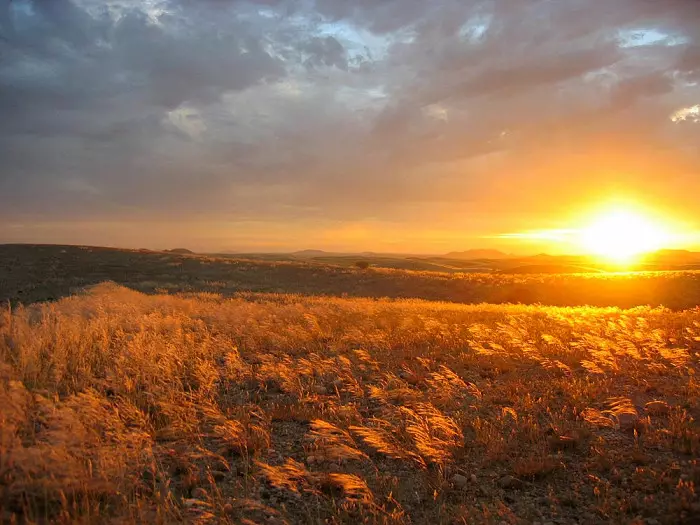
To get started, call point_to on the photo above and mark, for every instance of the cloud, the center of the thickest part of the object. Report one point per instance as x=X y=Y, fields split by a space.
x=326 y=52
x=341 y=110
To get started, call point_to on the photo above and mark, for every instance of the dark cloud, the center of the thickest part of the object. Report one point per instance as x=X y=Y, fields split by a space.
x=689 y=62
x=326 y=51
x=343 y=109
x=631 y=91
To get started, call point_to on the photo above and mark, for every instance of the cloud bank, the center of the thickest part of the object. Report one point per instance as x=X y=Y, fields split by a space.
x=387 y=124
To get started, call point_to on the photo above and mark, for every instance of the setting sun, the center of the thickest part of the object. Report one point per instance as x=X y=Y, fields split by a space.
x=623 y=235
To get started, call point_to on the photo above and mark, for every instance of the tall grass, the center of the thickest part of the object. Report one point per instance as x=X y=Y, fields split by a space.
x=119 y=406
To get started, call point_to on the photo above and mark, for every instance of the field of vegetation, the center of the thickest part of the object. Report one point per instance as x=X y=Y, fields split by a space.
x=45 y=273
x=123 y=407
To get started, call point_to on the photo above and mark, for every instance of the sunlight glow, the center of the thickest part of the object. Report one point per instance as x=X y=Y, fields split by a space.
x=691 y=113
x=621 y=236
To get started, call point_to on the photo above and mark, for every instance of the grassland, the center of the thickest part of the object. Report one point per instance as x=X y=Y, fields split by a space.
x=45 y=273
x=183 y=406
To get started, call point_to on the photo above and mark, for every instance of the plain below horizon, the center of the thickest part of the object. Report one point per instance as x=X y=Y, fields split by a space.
x=310 y=253
x=677 y=256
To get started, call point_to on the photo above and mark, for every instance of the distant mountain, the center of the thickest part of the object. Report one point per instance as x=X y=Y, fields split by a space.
x=478 y=254
x=321 y=253
x=673 y=257
x=549 y=269
x=555 y=259
x=181 y=251
x=310 y=253
x=676 y=253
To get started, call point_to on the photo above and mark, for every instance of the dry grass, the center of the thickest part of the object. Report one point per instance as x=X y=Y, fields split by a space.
x=44 y=273
x=120 y=407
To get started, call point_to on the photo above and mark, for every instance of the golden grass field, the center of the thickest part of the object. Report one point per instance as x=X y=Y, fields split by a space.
x=122 y=407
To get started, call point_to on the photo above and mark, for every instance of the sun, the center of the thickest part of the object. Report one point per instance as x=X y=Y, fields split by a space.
x=621 y=236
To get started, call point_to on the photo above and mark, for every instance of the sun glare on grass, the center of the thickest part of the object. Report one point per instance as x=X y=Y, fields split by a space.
x=622 y=236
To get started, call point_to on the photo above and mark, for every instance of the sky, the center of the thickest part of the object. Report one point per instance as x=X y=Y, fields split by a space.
x=344 y=125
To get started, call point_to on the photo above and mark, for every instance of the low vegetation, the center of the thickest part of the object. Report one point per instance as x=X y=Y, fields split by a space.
x=122 y=407
x=46 y=273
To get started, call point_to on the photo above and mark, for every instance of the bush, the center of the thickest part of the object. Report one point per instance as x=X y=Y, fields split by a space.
x=362 y=265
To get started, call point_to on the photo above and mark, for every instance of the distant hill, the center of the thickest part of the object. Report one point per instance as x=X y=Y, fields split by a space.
x=477 y=254
x=544 y=258
x=673 y=257
x=541 y=257
x=549 y=269
x=181 y=251
x=311 y=253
